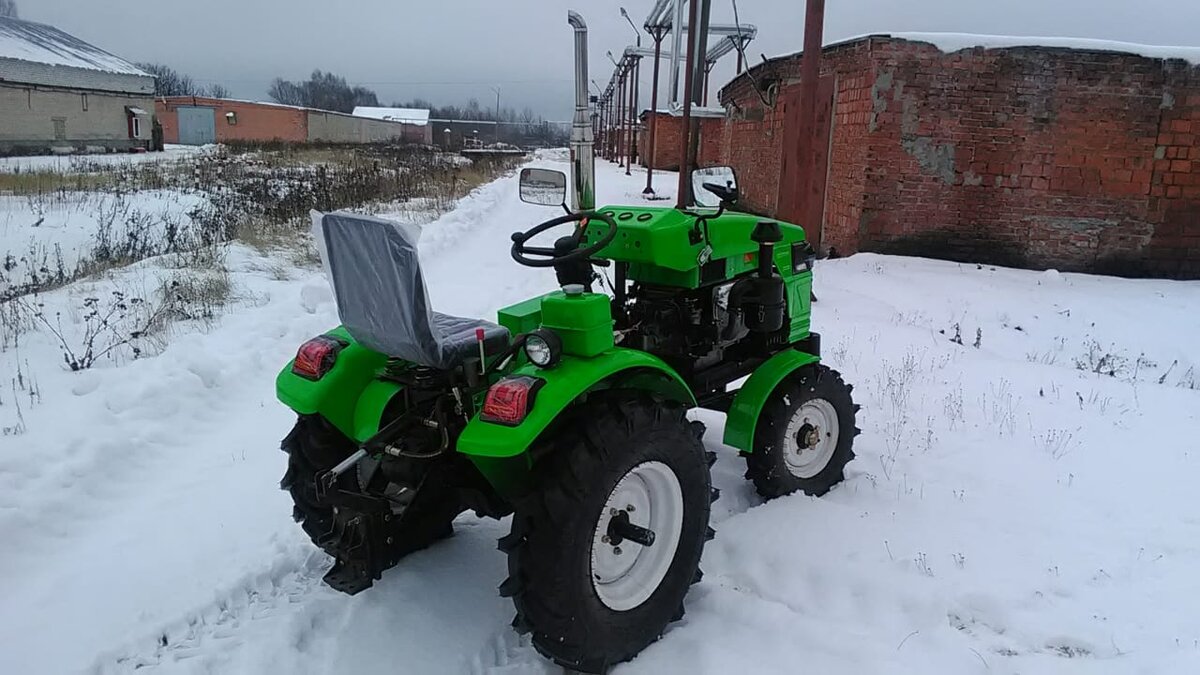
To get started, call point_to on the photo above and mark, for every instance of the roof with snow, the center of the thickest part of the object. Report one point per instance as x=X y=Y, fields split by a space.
x=40 y=43
x=953 y=42
x=415 y=116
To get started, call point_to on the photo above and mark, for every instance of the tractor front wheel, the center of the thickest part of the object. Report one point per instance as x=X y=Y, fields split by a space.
x=805 y=435
x=601 y=556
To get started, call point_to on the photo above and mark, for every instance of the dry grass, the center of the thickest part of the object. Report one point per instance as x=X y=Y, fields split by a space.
x=30 y=183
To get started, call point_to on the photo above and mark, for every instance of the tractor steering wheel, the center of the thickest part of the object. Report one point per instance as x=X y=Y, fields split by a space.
x=566 y=248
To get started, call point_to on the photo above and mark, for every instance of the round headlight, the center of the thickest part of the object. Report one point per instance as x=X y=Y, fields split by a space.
x=543 y=348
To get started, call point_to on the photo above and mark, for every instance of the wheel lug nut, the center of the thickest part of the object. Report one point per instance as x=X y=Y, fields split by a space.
x=605 y=539
x=629 y=508
x=617 y=550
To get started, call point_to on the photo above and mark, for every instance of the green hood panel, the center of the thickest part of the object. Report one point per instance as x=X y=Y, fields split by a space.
x=661 y=236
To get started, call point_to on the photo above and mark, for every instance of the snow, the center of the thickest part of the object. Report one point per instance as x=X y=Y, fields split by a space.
x=81 y=163
x=953 y=42
x=415 y=116
x=41 y=43
x=1007 y=512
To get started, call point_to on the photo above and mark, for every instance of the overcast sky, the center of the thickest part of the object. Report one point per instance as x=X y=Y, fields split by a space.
x=451 y=50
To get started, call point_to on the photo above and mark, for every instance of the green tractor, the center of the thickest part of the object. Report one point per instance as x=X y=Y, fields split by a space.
x=569 y=413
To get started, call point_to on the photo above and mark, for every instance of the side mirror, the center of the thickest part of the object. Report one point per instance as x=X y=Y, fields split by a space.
x=713 y=185
x=543 y=187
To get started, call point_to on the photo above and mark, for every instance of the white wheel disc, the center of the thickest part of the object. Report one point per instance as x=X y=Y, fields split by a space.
x=624 y=573
x=811 y=438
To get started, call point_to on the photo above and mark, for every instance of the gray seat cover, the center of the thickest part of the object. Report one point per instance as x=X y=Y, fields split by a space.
x=373 y=267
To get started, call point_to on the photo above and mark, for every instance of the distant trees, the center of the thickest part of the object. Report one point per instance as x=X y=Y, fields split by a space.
x=8 y=8
x=170 y=82
x=324 y=91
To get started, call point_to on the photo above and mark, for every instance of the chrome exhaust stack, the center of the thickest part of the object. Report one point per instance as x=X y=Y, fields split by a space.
x=583 y=152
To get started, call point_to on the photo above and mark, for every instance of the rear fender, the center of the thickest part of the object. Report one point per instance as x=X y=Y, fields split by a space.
x=349 y=396
x=750 y=399
x=501 y=452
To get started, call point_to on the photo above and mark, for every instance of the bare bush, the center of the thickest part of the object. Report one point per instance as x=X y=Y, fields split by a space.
x=1000 y=407
x=1057 y=443
x=1102 y=361
x=14 y=322
x=108 y=324
x=193 y=295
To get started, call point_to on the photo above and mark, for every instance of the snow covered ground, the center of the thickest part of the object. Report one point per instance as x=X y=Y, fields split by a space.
x=84 y=163
x=1010 y=510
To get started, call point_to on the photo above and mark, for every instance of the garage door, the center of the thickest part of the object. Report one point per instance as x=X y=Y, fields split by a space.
x=197 y=126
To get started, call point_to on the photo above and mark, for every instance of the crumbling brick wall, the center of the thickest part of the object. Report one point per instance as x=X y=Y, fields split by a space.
x=1030 y=156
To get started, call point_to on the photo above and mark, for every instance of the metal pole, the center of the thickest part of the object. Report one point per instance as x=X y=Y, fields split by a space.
x=682 y=195
x=651 y=148
x=583 y=158
x=637 y=82
x=676 y=47
x=633 y=87
x=810 y=76
x=624 y=122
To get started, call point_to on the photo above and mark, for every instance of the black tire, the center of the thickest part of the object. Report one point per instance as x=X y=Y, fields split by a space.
x=314 y=445
x=768 y=466
x=550 y=546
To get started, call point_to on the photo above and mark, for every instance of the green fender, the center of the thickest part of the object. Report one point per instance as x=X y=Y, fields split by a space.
x=564 y=383
x=349 y=395
x=750 y=399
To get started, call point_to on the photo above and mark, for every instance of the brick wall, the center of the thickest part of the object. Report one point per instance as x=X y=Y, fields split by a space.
x=1031 y=156
x=666 y=140
x=255 y=121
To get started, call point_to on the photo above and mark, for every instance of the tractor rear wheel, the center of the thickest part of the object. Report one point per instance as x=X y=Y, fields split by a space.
x=805 y=435
x=314 y=446
x=601 y=556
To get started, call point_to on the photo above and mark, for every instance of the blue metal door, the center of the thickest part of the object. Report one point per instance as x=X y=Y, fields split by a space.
x=197 y=126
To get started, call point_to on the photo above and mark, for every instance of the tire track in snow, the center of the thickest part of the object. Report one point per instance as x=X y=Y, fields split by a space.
x=207 y=639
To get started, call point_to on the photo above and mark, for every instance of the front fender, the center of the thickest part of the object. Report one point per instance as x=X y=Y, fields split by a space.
x=566 y=382
x=750 y=399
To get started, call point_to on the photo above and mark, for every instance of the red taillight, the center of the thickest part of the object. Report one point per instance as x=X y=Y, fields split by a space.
x=317 y=356
x=509 y=400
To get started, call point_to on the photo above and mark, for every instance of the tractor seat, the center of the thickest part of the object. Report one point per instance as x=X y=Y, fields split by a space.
x=459 y=336
x=375 y=272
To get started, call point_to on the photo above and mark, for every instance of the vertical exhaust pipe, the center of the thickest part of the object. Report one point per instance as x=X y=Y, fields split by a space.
x=583 y=157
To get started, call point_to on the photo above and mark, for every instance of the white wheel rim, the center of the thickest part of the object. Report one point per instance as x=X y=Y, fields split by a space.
x=810 y=438
x=626 y=574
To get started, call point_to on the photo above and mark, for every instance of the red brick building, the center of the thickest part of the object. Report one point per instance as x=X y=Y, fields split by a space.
x=196 y=120
x=1039 y=156
x=666 y=139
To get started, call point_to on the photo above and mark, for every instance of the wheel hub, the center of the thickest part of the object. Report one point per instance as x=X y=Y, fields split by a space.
x=636 y=536
x=811 y=438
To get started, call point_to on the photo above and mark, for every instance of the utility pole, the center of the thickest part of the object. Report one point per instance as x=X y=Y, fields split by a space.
x=796 y=199
x=694 y=51
x=497 y=90
x=658 y=33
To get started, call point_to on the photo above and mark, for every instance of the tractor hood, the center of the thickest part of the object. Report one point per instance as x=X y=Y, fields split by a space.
x=663 y=243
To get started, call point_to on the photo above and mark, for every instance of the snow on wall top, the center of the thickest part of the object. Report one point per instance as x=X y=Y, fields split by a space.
x=415 y=116
x=40 y=43
x=953 y=42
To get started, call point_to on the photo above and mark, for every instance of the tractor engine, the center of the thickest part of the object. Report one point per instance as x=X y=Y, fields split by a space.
x=695 y=329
